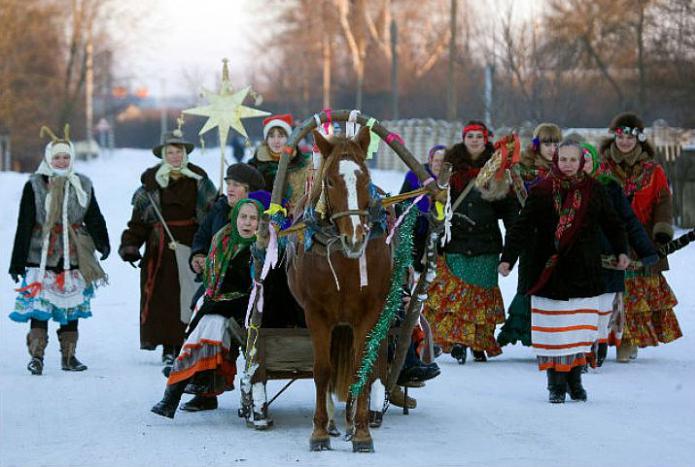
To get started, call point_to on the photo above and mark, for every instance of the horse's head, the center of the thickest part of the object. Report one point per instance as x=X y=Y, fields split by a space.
x=346 y=188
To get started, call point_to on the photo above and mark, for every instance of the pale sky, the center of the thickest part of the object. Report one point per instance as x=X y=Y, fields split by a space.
x=175 y=37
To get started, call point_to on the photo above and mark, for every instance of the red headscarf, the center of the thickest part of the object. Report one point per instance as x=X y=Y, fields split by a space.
x=487 y=134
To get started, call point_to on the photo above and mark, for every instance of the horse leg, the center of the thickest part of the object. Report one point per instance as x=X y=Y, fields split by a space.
x=361 y=439
x=320 y=337
x=330 y=407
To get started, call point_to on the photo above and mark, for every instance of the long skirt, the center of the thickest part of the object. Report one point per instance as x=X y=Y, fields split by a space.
x=649 y=315
x=563 y=331
x=207 y=352
x=465 y=304
x=58 y=298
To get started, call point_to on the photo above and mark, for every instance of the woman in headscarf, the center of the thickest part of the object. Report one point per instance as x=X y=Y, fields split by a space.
x=568 y=210
x=211 y=348
x=181 y=193
x=58 y=229
x=649 y=301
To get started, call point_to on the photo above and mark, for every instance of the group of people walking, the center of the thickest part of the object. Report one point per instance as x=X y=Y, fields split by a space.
x=574 y=209
x=577 y=219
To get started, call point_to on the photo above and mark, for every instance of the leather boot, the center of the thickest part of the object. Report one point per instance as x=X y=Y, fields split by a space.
x=574 y=382
x=479 y=356
x=601 y=354
x=557 y=386
x=200 y=403
x=459 y=351
x=37 y=340
x=172 y=396
x=68 y=344
x=397 y=398
x=622 y=353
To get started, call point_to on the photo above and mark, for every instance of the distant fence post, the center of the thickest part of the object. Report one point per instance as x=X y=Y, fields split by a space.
x=5 y=154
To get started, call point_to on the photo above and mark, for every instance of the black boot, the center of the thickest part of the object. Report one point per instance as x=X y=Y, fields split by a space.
x=574 y=382
x=172 y=396
x=557 y=386
x=459 y=351
x=601 y=354
x=479 y=356
x=200 y=403
x=35 y=366
x=37 y=340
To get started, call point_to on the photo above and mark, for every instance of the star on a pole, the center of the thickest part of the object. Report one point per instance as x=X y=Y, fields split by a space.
x=225 y=109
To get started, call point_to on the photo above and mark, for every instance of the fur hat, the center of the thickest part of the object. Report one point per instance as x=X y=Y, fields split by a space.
x=628 y=123
x=281 y=121
x=244 y=173
x=172 y=138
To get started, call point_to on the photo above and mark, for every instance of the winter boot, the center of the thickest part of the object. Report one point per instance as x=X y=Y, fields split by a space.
x=258 y=418
x=172 y=396
x=557 y=386
x=574 y=382
x=601 y=354
x=633 y=352
x=37 y=340
x=479 y=356
x=459 y=351
x=68 y=343
x=200 y=403
x=622 y=353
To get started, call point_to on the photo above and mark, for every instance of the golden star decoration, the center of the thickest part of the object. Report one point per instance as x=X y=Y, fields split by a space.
x=225 y=111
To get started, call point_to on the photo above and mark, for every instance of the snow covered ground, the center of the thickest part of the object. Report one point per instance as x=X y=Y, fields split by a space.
x=638 y=414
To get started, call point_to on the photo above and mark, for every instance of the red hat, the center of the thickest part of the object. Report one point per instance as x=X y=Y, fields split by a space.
x=281 y=121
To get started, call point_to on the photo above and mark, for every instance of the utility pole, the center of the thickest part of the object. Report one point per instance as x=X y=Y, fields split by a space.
x=89 y=90
x=451 y=78
x=162 y=108
x=489 y=70
x=394 y=70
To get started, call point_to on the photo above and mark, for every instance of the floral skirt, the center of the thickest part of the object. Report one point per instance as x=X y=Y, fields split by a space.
x=62 y=297
x=465 y=304
x=649 y=315
x=206 y=357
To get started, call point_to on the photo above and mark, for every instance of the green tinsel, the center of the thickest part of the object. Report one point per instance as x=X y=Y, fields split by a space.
x=403 y=258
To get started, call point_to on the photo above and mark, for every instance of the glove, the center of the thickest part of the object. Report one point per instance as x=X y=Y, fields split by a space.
x=129 y=253
x=105 y=252
x=662 y=238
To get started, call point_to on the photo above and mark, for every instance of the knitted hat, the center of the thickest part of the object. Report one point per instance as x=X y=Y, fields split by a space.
x=172 y=138
x=244 y=173
x=280 y=121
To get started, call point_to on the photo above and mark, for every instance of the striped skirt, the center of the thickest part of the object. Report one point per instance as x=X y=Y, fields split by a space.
x=563 y=331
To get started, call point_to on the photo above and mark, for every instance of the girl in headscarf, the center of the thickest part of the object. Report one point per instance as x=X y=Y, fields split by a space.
x=568 y=210
x=58 y=229
x=211 y=348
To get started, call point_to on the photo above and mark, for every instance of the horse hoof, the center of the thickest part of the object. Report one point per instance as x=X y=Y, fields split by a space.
x=320 y=444
x=366 y=445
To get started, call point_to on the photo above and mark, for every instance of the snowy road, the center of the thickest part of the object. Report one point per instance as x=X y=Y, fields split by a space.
x=491 y=414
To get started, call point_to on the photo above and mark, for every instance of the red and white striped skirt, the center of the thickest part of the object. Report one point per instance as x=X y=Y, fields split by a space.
x=563 y=331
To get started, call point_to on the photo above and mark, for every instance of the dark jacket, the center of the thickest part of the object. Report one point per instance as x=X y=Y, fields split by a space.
x=638 y=239
x=26 y=222
x=578 y=272
x=475 y=228
x=217 y=218
x=236 y=279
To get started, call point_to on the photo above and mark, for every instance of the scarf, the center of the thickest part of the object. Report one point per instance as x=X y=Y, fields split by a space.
x=227 y=243
x=632 y=171
x=165 y=171
x=466 y=168
x=571 y=196
x=630 y=158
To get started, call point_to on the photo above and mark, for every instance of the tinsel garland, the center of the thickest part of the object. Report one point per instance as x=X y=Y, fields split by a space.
x=402 y=259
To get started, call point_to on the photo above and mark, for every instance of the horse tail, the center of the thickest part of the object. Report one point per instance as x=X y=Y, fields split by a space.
x=342 y=361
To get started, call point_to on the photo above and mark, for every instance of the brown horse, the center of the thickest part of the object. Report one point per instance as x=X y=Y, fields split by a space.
x=340 y=309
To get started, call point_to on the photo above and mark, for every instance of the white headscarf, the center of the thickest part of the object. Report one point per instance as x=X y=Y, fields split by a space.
x=45 y=168
x=165 y=169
